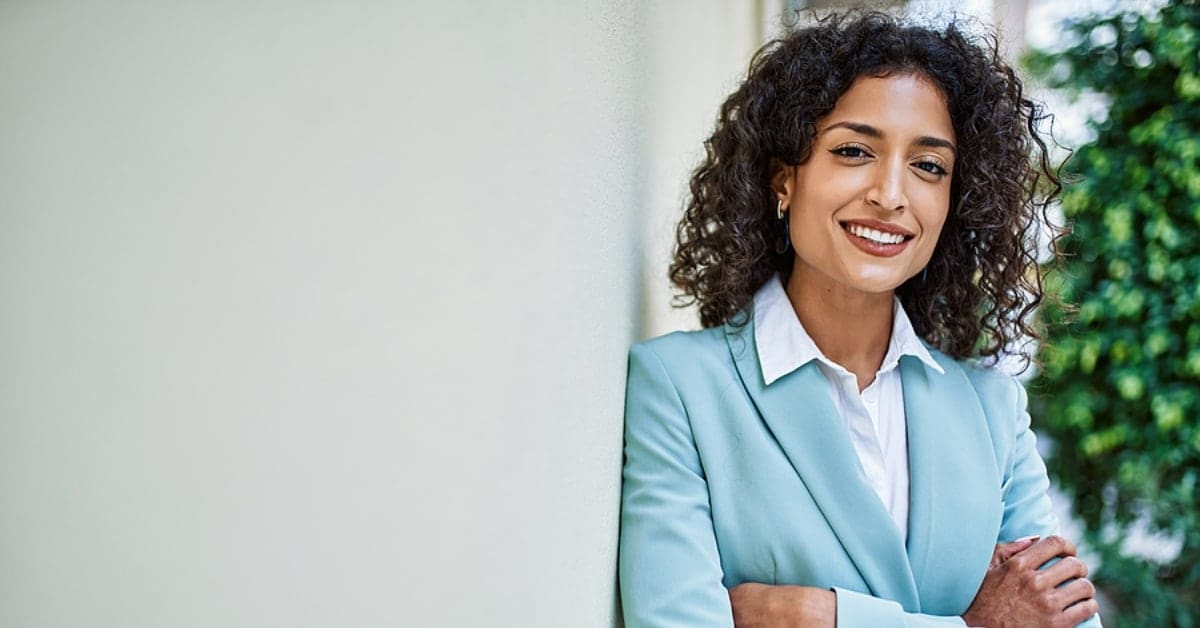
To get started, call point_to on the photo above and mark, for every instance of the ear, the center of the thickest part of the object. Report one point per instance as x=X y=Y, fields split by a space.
x=782 y=179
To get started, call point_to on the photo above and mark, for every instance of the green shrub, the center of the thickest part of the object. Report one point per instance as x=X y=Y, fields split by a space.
x=1119 y=390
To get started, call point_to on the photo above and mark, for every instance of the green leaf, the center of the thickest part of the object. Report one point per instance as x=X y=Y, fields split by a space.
x=1119 y=391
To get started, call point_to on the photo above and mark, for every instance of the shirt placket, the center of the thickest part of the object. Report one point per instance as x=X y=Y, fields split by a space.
x=862 y=424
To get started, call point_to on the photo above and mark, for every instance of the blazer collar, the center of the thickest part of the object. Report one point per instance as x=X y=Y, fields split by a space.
x=955 y=505
x=954 y=510
x=800 y=415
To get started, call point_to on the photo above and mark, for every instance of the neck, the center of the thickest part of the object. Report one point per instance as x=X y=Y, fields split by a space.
x=850 y=327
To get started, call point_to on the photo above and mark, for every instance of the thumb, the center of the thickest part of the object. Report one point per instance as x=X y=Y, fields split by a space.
x=1005 y=551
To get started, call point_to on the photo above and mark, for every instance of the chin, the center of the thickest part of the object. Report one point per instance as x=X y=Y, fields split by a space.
x=878 y=285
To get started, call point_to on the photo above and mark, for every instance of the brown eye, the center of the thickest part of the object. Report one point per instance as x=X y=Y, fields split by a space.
x=932 y=167
x=851 y=151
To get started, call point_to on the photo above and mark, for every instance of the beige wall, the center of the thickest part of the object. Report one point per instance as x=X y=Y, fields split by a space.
x=698 y=56
x=315 y=313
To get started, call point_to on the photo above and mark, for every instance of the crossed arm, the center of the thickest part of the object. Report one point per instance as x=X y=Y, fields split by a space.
x=1015 y=592
x=671 y=573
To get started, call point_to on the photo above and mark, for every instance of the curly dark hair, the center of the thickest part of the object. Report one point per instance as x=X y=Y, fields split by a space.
x=983 y=282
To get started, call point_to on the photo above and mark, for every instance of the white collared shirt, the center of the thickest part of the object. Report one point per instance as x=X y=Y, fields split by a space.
x=875 y=417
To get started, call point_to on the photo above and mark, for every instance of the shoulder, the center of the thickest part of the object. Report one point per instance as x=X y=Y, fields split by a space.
x=669 y=378
x=686 y=341
x=688 y=359
x=1001 y=396
x=993 y=386
x=996 y=389
x=680 y=348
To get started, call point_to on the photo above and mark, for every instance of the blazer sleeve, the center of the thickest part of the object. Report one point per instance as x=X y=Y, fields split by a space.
x=670 y=571
x=1027 y=508
x=859 y=610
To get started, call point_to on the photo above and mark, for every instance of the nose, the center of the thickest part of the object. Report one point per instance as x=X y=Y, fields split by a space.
x=887 y=188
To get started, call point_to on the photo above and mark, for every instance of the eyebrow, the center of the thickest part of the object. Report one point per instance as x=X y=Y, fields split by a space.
x=870 y=131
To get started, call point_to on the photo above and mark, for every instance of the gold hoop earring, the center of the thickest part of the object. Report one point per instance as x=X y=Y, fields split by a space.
x=785 y=238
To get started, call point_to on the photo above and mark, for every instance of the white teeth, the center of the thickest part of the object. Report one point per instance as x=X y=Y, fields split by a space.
x=874 y=235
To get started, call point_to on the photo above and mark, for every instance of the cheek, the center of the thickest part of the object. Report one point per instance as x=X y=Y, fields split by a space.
x=933 y=220
x=932 y=225
x=934 y=228
x=809 y=227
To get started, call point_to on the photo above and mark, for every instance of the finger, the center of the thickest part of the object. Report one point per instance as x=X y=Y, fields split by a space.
x=1038 y=553
x=1081 y=611
x=1064 y=570
x=1073 y=592
x=1005 y=551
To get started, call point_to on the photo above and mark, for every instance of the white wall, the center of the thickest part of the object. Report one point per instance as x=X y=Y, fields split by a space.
x=315 y=313
x=699 y=55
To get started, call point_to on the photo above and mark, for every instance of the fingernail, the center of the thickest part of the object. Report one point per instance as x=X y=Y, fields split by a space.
x=1031 y=539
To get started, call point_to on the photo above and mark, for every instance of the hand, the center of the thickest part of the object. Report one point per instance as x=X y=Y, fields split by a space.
x=1016 y=593
x=779 y=606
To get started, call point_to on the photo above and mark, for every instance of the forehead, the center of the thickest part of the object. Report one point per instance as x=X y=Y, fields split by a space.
x=898 y=104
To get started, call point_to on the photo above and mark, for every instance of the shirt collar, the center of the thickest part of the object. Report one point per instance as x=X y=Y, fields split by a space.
x=784 y=346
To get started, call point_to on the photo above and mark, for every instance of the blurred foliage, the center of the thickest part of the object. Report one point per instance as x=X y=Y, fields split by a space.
x=1119 y=390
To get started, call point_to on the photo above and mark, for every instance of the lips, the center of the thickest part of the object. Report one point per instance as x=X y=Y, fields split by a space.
x=877 y=238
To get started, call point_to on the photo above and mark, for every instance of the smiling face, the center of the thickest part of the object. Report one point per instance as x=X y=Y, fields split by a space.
x=866 y=209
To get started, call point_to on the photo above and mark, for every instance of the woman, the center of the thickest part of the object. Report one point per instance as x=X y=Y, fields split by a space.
x=828 y=450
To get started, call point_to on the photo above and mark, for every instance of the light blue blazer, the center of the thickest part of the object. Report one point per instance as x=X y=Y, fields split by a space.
x=727 y=481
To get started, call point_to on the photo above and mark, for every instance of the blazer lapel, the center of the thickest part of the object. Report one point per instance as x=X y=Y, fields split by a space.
x=954 y=507
x=801 y=416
